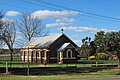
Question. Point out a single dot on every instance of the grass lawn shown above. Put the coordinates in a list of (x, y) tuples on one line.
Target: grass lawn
[(99, 74), (83, 70), (81, 63)]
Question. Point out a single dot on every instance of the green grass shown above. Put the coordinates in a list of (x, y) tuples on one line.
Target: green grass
[(81, 63), (98, 61), (67, 76), (16, 62), (100, 74)]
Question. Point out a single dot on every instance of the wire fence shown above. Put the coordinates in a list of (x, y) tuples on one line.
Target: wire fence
[(16, 63), (19, 68)]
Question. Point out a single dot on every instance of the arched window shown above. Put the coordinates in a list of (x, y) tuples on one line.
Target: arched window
[(69, 53)]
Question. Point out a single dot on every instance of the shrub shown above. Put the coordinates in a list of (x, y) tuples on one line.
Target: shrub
[(102, 56)]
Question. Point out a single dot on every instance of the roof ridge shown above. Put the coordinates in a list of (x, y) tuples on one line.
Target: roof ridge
[(43, 41)]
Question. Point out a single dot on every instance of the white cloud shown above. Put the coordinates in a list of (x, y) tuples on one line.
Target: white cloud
[(12, 13), (85, 29), (77, 41), (7, 20), (75, 36), (65, 20), (47, 14), (70, 28), (105, 30), (56, 25), (53, 34), (61, 22)]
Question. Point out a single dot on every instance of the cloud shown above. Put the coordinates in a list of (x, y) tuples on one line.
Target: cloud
[(61, 22), (66, 19), (47, 14), (75, 36), (105, 30), (12, 13), (77, 41), (70, 28), (56, 25), (53, 33), (85, 29), (7, 20)]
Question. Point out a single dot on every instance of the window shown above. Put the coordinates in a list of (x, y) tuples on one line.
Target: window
[(39, 54), (69, 53), (34, 54)]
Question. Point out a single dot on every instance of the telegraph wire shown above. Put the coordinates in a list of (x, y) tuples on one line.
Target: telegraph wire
[(38, 4), (93, 14), (14, 6), (57, 9)]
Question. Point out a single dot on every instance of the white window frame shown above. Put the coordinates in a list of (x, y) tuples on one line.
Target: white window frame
[(71, 52)]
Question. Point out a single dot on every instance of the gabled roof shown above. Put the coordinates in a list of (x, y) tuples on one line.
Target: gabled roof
[(43, 41), (64, 46), (47, 41)]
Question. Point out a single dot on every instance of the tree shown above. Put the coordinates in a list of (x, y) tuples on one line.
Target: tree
[(112, 44), (99, 41), (30, 27), (1, 24), (86, 47), (92, 48), (109, 43), (8, 35)]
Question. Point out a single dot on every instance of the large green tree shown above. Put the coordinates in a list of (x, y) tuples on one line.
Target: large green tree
[(99, 41), (108, 43), (112, 44)]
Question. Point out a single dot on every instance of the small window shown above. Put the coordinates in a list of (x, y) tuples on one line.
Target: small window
[(34, 54), (39, 53), (69, 53)]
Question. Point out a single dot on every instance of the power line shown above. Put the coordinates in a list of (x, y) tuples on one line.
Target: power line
[(6, 4), (38, 4), (93, 14), (57, 9)]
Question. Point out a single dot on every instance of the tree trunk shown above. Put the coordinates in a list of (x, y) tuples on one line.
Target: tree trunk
[(11, 57)]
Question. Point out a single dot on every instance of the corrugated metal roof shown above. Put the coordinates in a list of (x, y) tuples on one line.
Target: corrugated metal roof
[(63, 46), (43, 41)]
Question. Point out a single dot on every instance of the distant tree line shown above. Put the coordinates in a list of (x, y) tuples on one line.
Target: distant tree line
[(104, 42)]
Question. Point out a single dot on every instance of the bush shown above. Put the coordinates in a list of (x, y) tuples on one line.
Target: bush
[(102, 56)]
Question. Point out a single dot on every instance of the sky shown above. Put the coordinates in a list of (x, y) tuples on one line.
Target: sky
[(78, 18)]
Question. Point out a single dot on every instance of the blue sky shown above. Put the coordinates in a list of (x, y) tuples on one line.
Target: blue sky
[(76, 24)]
